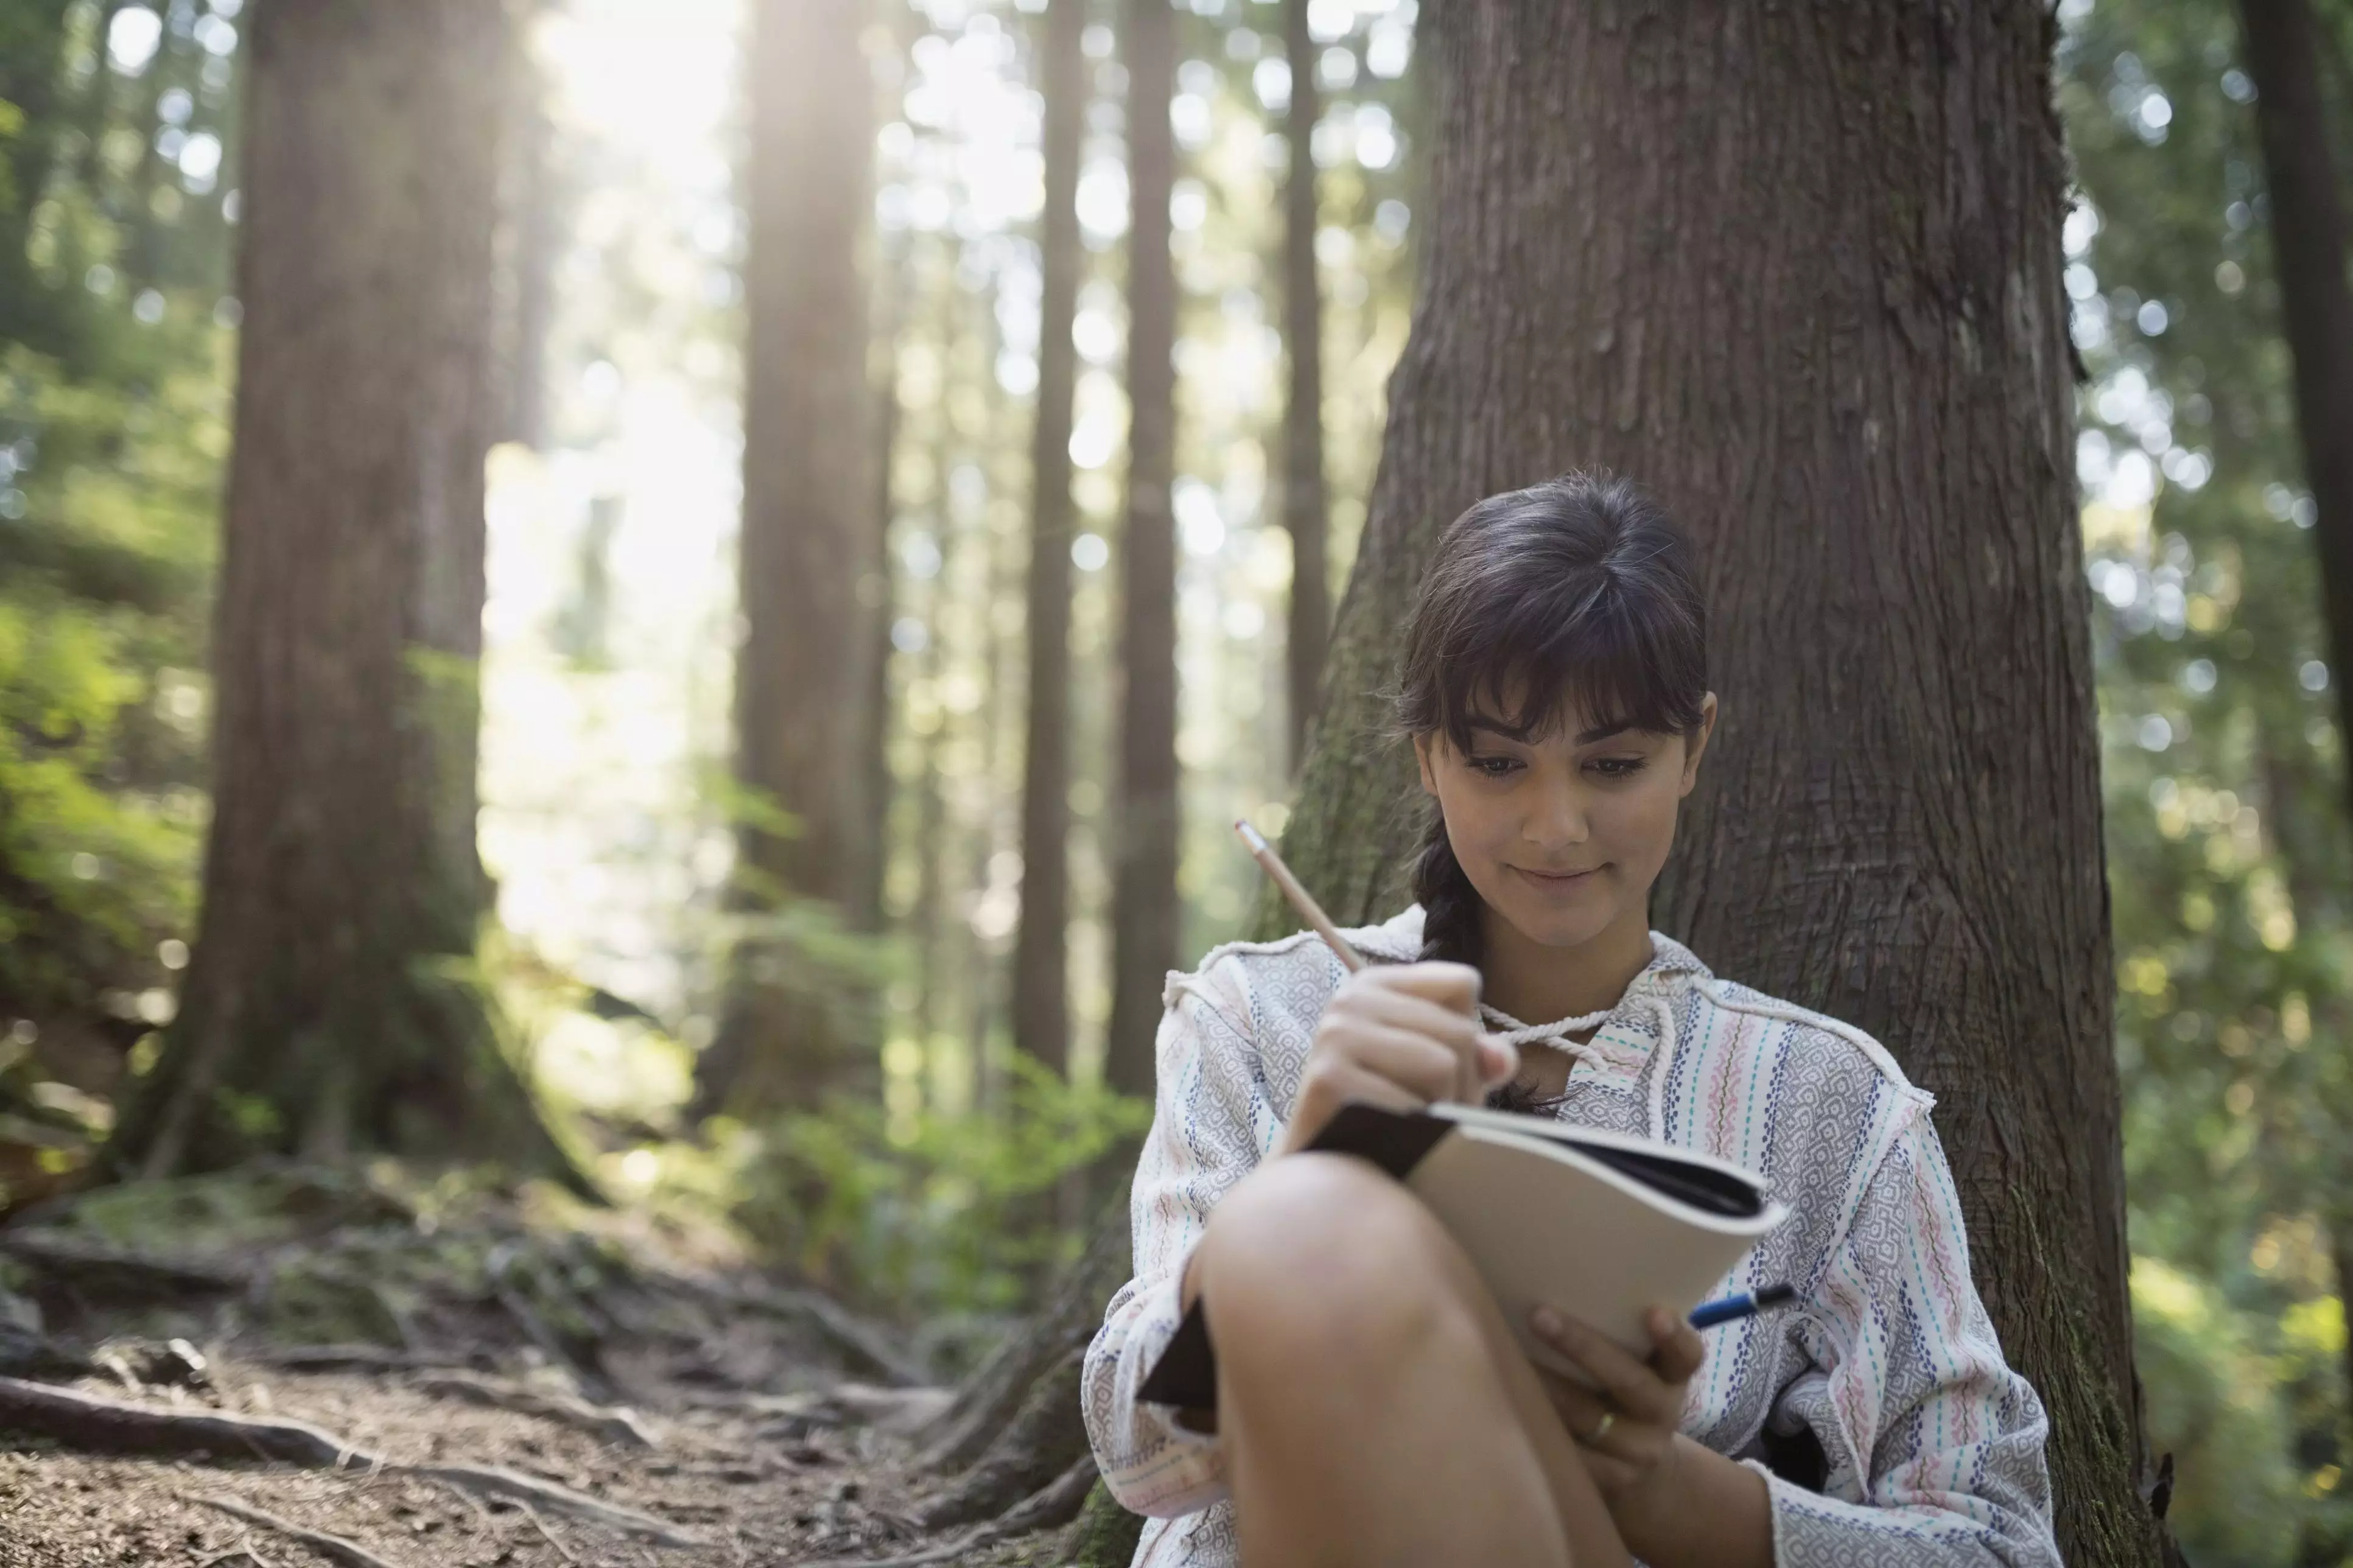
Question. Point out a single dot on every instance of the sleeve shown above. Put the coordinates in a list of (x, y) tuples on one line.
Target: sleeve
[(1934, 1445), (1212, 1122)]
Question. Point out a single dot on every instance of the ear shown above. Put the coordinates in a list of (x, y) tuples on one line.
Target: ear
[(1695, 744), (1422, 746)]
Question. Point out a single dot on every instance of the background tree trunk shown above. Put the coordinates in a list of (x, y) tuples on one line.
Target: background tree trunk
[(1042, 1023), (809, 520), (1305, 506), (1144, 882), (1803, 280), (341, 882), (2307, 230), (2285, 43)]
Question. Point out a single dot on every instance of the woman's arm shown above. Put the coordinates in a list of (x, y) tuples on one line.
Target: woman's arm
[(1935, 1445), (1211, 1123)]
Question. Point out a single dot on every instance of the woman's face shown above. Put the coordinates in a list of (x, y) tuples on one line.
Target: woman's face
[(1563, 835)]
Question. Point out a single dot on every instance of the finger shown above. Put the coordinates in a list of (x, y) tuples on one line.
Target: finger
[(1482, 1060), (1342, 1081), (1611, 1473), (1453, 985), (1677, 1348), (1629, 1382), (1581, 1409), (1411, 1061)]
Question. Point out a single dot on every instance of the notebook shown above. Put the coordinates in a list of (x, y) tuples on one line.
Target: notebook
[(1596, 1225)]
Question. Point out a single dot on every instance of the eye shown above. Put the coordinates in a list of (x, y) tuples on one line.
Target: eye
[(1491, 767), (1618, 767)]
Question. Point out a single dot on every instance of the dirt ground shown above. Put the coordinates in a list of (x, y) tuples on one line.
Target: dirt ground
[(718, 1368), (756, 1495)]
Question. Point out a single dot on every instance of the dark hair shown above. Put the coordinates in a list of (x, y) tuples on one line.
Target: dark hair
[(1578, 592)]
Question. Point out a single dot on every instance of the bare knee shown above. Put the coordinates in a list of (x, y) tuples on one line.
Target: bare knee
[(1321, 1257)]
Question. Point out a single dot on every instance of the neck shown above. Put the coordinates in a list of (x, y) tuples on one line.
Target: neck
[(1538, 983)]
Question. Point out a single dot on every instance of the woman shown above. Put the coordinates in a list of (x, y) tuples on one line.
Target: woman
[(1373, 1406)]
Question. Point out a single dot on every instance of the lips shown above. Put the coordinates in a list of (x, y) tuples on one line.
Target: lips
[(1557, 879)]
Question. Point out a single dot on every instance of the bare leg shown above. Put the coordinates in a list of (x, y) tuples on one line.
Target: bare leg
[(1374, 1408)]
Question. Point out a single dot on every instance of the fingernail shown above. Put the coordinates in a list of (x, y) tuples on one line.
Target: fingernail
[(1546, 1321)]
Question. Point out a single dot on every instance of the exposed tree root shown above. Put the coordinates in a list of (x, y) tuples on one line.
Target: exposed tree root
[(1046, 1437), (899, 1412), (496, 1480), (28, 1355), (349, 1358), (88, 1422), (340, 1548), (102, 1270), (862, 1348), (1056, 1503), (616, 1424), (994, 1397)]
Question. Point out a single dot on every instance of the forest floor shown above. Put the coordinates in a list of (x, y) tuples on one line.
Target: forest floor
[(637, 1395)]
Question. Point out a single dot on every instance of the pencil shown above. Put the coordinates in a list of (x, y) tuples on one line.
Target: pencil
[(1309, 910)]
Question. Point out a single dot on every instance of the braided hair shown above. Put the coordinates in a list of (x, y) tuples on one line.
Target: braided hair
[(1578, 593)]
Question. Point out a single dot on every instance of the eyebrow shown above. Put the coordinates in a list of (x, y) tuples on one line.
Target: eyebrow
[(1520, 732)]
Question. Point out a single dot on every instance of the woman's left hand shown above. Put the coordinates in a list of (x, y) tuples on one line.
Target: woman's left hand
[(1626, 1425)]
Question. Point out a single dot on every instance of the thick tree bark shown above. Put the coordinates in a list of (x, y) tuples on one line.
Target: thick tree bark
[(1042, 1023), (1801, 274), (340, 884), (1144, 853), (808, 519), (1305, 505)]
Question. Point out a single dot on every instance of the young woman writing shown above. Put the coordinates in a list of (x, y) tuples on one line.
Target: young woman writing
[(1373, 1407)]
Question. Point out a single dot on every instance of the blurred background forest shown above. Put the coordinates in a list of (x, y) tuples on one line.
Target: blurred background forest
[(649, 903)]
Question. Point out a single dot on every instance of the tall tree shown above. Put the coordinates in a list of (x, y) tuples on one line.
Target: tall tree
[(1305, 505), (1143, 879), (2284, 44), (1861, 407), (807, 524), (1040, 947), (341, 883)]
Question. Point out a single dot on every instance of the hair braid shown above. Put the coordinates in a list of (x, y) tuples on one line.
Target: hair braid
[(1451, 906)]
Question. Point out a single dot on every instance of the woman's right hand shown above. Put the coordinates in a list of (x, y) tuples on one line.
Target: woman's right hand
[(1400, 1035)]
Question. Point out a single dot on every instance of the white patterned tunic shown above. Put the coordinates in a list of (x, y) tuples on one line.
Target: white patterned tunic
[(1930, 1445)]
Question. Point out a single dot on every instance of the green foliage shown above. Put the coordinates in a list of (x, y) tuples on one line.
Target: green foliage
[(2228, 854), (956, 1214), (115, 357), (2212, 1403)]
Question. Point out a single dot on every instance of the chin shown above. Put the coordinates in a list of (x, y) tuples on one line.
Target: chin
[(1549, 927)]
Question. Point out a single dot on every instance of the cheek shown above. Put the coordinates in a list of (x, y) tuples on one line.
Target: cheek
[(1641, 824)]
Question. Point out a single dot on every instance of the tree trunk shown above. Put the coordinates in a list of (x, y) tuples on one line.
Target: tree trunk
[(878, 589), (807, 523), (532, 243), (2309, 237), (1305, 505), (1042, 1023), (2285, 41), (326, 1008), (1143, 878), (1802, 278)]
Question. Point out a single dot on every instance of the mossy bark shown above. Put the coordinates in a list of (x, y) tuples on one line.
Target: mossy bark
[(1800, 276)]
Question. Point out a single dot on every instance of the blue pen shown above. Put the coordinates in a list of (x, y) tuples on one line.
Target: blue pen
[(1732, 1308)]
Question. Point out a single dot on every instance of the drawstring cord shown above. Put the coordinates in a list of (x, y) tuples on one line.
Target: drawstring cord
[(1504, 1030)]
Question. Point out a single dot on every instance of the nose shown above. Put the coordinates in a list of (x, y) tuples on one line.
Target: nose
[(1559, 821)]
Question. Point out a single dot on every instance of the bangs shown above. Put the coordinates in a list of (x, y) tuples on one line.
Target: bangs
[(1571, 602), (1553, 658)]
